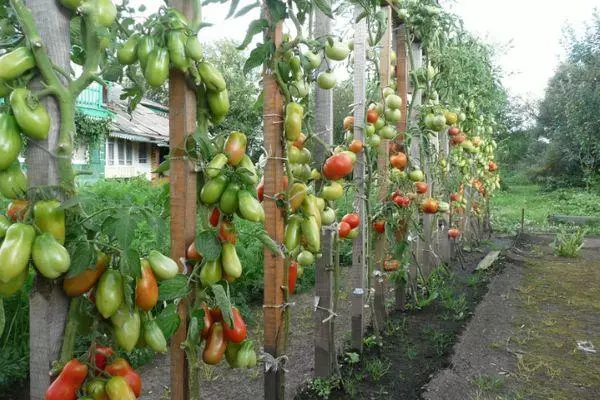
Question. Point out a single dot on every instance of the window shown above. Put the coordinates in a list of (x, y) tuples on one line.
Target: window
[(110, 152), (129, 152), (143, 153), (80, 154), (121, 148)]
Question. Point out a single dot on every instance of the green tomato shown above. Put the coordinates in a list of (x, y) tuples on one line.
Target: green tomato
[(314, 60), (34, 121), (193, 48), (15, 251), (370, 130), (250, 208), (388, 132), (298, 89), (13, 181), (388, 91), (163, 267), (328, 216), (306, 258), (50, 257), (326, 80), (211, 273), (416, 175), (338, 51), (10, 141), (374, 141), (393, 101), (332, 191), (213, 189), (393, 114), (109, 293), (380, 123), (229, 200), (157, 67), (292, 233), (127, 53), (230, 261)]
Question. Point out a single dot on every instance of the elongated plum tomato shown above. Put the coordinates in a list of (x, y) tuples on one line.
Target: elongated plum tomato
[(351, 219), (379, 226), (343, 229), (214, 217), (337, 166)]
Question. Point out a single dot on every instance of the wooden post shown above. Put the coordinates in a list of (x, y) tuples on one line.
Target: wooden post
[(402, 90), (358, 249), (182, 180), (443, 240), (325, 351), (415, 143), (274, 323), (383, 161), (48, 305)]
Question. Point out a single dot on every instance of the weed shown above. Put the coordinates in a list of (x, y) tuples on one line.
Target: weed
[(411, 352), (351, 358), (488, 383), (568, 242), (441, 341), (323, 387), (372, 341), (377, 368)]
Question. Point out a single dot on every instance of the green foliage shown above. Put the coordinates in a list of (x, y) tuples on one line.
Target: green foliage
[(90, 131), (377, 368), (538, 205), (323, 387), (569, 241)]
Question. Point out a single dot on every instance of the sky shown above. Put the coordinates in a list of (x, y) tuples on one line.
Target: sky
[(529, 33)]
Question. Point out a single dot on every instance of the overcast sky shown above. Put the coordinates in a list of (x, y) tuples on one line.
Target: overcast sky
[(530, 31)]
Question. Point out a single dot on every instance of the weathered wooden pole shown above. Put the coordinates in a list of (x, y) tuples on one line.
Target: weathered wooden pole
[(443, 240), (402, 66), (48, 304), (182, 181), (274, 322), (415, 143), (325, 352), (359, 291), (383, 161)]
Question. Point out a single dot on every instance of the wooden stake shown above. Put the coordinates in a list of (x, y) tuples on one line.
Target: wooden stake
[(359, 292), (182, 180), (48, 304), (274, 324), (383, 161), (402, 90), (325, 351)]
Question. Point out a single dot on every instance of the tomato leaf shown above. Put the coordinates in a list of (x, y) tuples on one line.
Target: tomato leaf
[(163, 167), (130, 263), (254, 28), (174, 288), (168, 320), (83, 256), (277, 10), (207, 244), (325, 7), (259, 55), (223, 302), (232, 8), (246, 9)]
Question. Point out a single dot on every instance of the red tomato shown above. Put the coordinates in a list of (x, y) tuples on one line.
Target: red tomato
[(192, 253), (337, 166), (356, 146), (453, 131), (343, 229), (351, 219), (453, 233), (100, 355), (372, 116), (214, 217), (236, 333), (430, 206), (292, 276), (379, 226), (421, 187)]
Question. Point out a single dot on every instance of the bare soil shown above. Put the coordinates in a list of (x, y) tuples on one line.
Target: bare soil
[(522, 341)]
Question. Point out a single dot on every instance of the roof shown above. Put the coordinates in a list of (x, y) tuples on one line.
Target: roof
[(142, 125)]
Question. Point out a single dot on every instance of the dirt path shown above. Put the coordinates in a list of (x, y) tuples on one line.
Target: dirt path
[(522, 342)]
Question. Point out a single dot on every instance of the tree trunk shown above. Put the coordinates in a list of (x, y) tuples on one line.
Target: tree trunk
[(48, 304)]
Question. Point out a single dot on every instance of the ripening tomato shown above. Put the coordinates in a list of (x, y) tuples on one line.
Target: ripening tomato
[(300, 142), (343, 229), (399, 160), (192, 252), (492, 166), (356, 146), (349, 123), (379, 226), (337, 166), (372, 116), (421, 187), (351, 219), (453, 131), (227, 233), (453, 233), (455, 197), (430, 206)]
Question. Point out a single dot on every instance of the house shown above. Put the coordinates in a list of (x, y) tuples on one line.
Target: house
[(136, 144)]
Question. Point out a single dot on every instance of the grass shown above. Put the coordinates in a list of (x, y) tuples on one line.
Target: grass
[(539, 204)]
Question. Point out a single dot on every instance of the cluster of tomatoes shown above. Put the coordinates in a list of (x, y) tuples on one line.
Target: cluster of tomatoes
[(107, 377)]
